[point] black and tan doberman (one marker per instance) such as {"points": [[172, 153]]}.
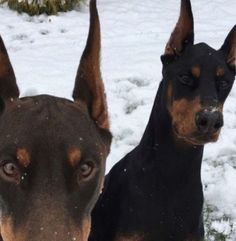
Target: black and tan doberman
{"points": [[52, 152], [155, 192]]}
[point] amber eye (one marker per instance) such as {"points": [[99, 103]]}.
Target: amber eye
{"points": [[10, 172], [85, 169]]}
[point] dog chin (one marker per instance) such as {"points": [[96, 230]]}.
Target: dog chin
{"points": [[197, 139]]}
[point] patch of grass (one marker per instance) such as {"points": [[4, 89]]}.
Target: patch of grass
{"points": [[36, 7], [211, 232]]}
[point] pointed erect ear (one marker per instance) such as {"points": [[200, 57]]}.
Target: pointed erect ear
{"points": [[8, 86], [229, 48], [89, 89], [183, 33]]}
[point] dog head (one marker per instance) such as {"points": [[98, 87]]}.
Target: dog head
{"points": [[52, 152], [198, 80]]}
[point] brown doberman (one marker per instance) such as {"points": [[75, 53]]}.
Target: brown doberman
{"points": [[155, 192], [53, 152]]}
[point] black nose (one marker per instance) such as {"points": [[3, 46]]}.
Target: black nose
{"points": [[209, 121]]}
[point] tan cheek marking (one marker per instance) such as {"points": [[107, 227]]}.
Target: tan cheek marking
{"points": [[183, 115], [80, 233], [102, 185], [9, 233], [135, 237], [182, 112], [23, 157], [74, 156], [86, 229], [220, 72], [196, 71]]}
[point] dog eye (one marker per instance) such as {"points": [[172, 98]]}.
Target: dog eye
{"points": [[186, 80], [10, 172], [223, 84], [10, 169], [85, 170]]}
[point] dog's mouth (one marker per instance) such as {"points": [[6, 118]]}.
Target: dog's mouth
{"points": [[197, 138]]}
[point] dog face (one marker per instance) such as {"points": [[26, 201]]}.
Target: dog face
{"points": [[52, 152], [198, 81]]}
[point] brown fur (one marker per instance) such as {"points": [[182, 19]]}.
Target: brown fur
{"points": [[196, 71], [183, 113], [4, 65], [23, 157], [220, 72], [74, 156], [86, 228], [9, 233], [133, 237], [80, 234], [169, 96]]}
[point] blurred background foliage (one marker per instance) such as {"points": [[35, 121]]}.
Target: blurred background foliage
{"points": [[36, 7]]}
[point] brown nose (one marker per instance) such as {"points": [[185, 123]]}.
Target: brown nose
{"points": [[208, 121]]}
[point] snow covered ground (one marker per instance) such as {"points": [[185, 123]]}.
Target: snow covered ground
{"points": [[45, 53]]}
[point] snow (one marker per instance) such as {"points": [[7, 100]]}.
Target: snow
{"points": [[45, 53]]}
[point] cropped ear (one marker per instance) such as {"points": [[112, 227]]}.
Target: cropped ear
{"points": [[89, 89], [229, 48], [183, 33], [8, 86]]}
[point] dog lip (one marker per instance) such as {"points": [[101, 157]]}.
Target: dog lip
{"points": [[185, 138], [197, 139]]}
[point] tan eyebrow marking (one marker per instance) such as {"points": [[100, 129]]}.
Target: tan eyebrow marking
{"points": [[220, 72], [196, 71], [23, 156], [74, 154]]}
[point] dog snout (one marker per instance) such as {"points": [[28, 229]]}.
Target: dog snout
{"points": [[209, 121]]}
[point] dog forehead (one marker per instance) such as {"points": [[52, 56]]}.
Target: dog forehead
{"points": [[202, 54], [200, 59], [46, 110], [47, 117]]}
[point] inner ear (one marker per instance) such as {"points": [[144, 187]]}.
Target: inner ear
{"points": [[89, 89], [229, 48], [183, 33]]}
